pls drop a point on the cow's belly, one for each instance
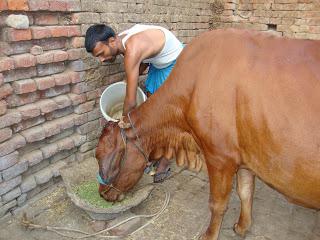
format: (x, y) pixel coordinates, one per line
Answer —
(297, 176)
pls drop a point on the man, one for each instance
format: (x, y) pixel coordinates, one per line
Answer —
(141, 46)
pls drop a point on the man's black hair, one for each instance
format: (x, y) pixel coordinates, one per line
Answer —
(97, 33)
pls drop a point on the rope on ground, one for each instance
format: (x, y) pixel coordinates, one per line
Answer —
(59, 230)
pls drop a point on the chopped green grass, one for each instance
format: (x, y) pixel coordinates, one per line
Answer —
(88, 191)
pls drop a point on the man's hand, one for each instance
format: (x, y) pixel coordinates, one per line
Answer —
(128, 105)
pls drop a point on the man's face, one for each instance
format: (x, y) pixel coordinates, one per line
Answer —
(106, 51)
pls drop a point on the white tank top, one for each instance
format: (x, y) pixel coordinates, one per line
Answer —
(171, 50)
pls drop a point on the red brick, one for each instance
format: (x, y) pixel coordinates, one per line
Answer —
(65, 144)
(45, 82)
(45, 58)
(77, 76)
(19, 100)
(3, 5)
(80, 119)
(15, 35)
(10, 118)
(47, 105)
(1, 79)
(29, 111)
(34, 134)
(77, 42)
(59, 31)
(36, 5)
(46, 19)
(18, 5)
(50, 69)
(77, 99)
(36, 50)
(24, 86)
(85, 107)
(21, 73)
(6, 64)
(5, 90)
(74, 31)
(74, 54)
(66, 122)
(40, 32)
(28, 123)
(73, 5)
(81, 87)
(49, 150)
(60, 56)
(93, 94)
(63, 101)
(5, 134)
(62, 79)
(24, 60)
(3, 107)
(55, 91)
(57, 5)
(51, 128)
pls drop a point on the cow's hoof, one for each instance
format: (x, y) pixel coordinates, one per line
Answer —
(238, 230)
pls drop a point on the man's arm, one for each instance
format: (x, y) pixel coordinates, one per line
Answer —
(132, 62)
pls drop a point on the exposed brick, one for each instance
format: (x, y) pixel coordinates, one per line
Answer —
(18, 74)
(74, 54)
(36, 5)
(63, 101)
(73, 5)
(47, 105)
(36, 50)
(45, 82)
(77, 98)
(28, 184)
(85, 17)
(77, 77)
(6, 63)
(11, 117)
(46, 19)
(82, 156)
(65, 122)
(19, 100)
(24, 60)
(65, 144)
(88, 127)
(34, 134)
(88, 146)
(29, 111)
(81, 87)
(93, 94)
(21, 199)
(43, 176)
(49, 150)
(50, 69)
(58, 90)
(11, 195)
(9, 185)
(12, 144)
(45, 58)
(60, 55)
(95, 114)
(5, 208)
(55, 169)
(57, 5)
(18, 5)
(3, 5)
(59, 113)
(51, 128)
(24, 86)
(32, 158)
(15, 35)
(62, 79)
(65, 31)
(5, 90)
(78, 139)
(80, 119)
(85, 107)
(51, 43)
(5, 134)
(1, 79)
(8, 160)
(40, 32)
(28, 123)
(3, 107)
(15, 170)
(77, 42)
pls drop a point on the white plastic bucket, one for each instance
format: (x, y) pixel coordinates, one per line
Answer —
(113, 97)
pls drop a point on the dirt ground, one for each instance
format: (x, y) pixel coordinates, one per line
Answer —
(186, 216)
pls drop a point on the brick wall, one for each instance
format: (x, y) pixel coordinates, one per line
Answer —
(50, 87)
(290, 18)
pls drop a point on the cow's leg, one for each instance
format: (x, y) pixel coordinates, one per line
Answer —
(245, 188)
(220, 189)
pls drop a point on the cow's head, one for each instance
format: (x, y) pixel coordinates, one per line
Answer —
(121, 163)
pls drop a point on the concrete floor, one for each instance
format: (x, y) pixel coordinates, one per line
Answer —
(186, 216)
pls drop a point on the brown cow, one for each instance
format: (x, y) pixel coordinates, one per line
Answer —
(250, 100)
